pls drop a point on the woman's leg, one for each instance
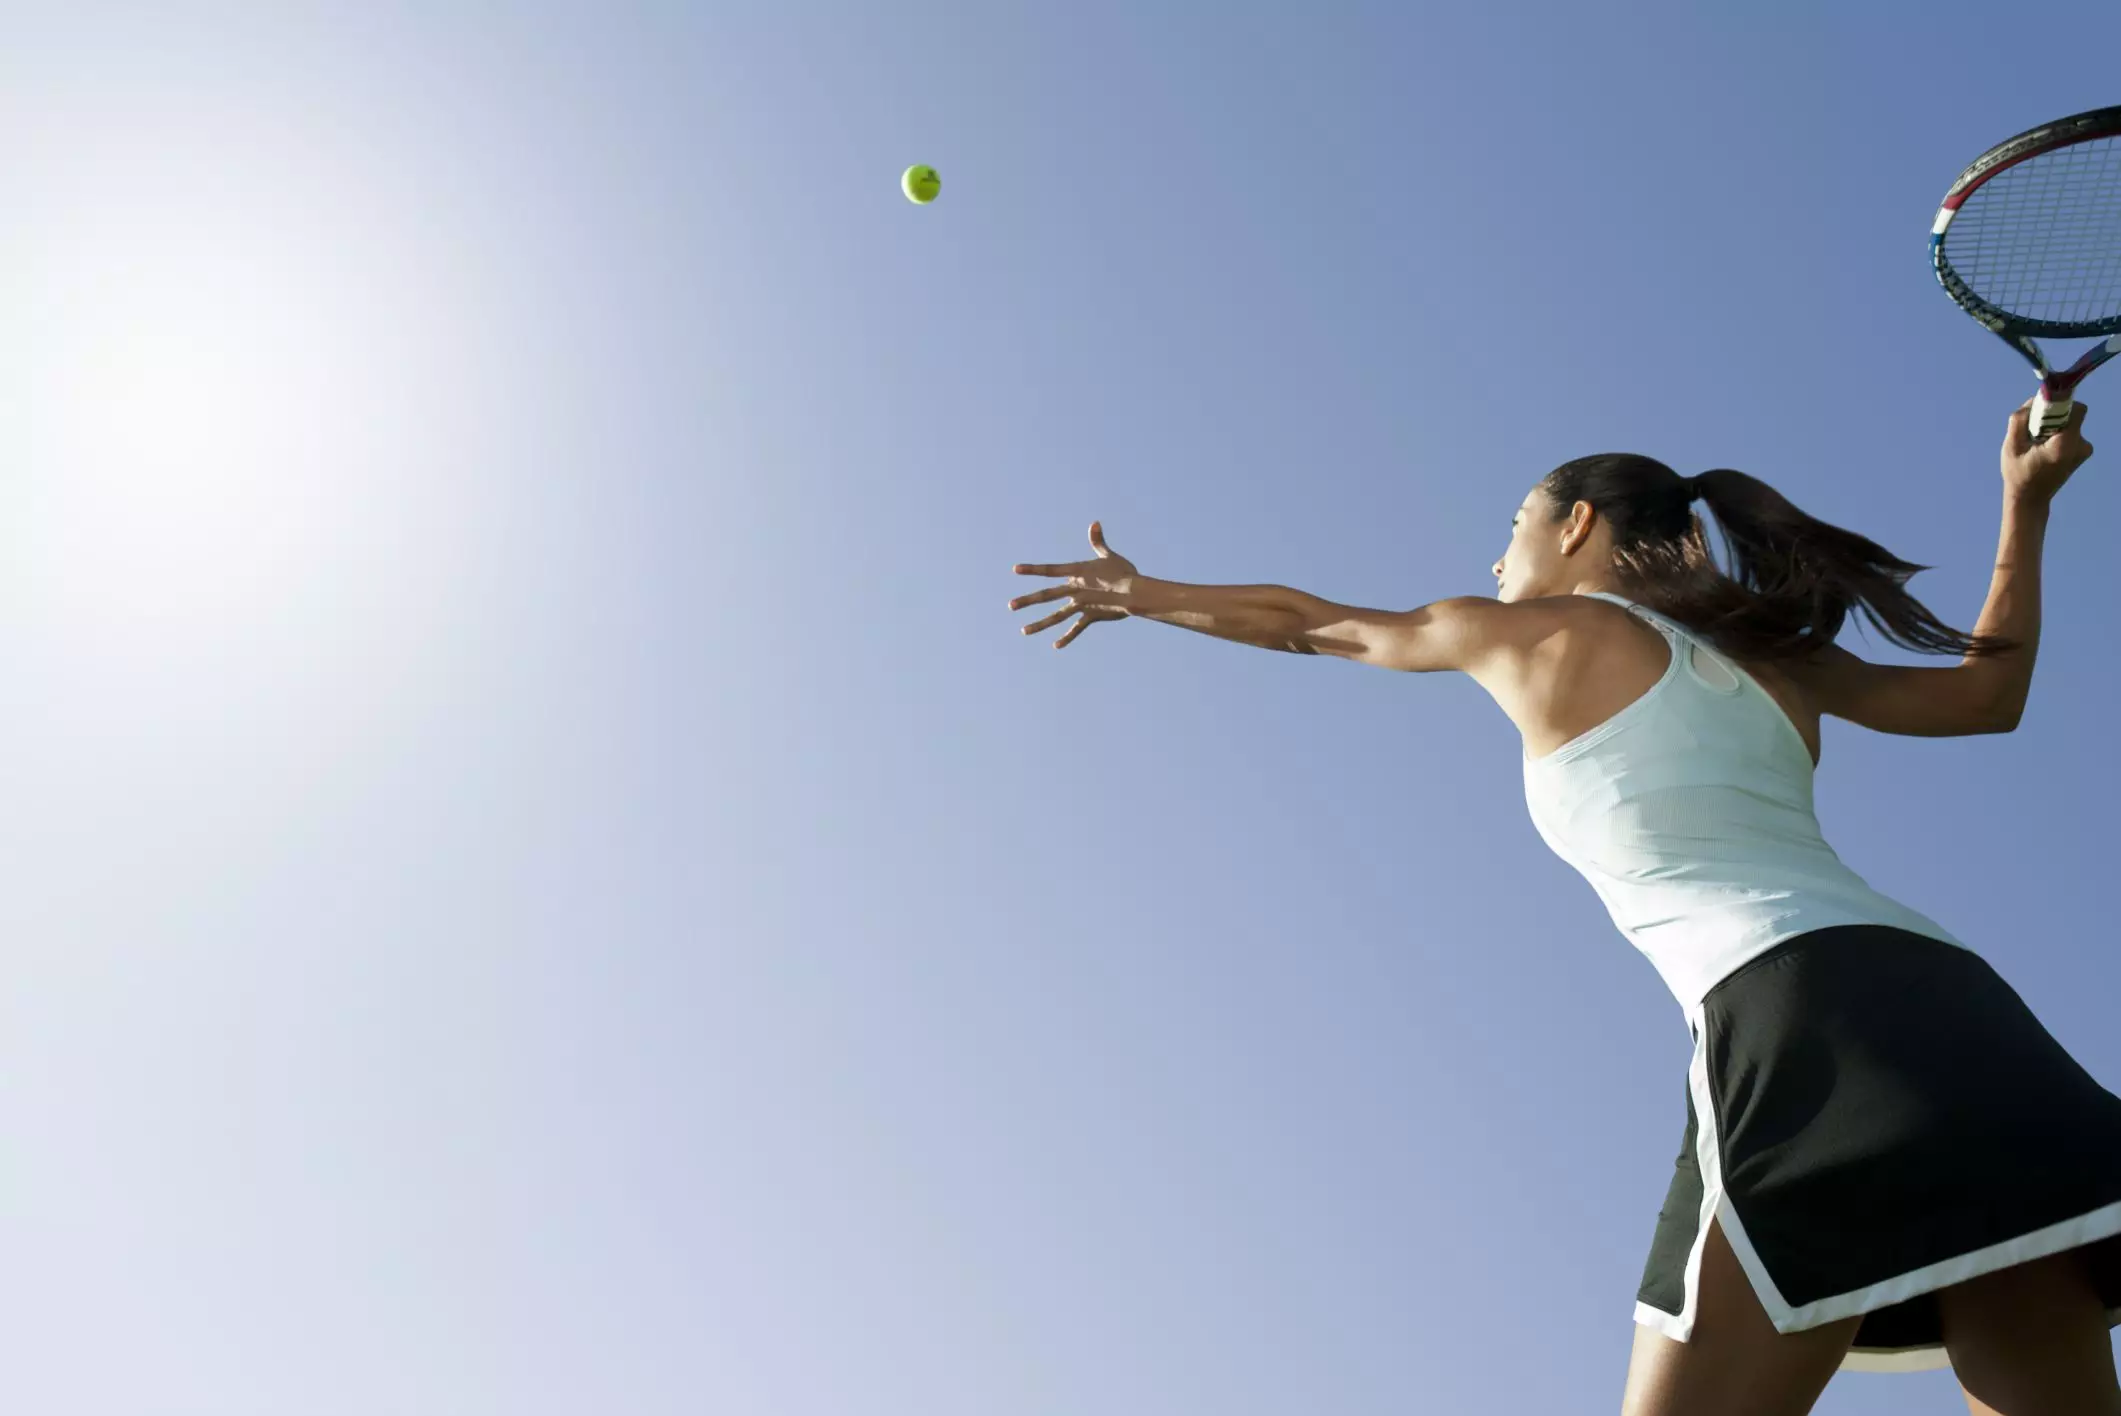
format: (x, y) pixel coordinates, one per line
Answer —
(2032, 1341)
(1735, 1364)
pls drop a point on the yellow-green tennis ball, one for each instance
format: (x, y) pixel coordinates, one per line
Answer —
(921, 184)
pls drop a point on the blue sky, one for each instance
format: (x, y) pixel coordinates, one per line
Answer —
(544, 878)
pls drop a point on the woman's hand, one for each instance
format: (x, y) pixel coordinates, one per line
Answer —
(2036, 471)
(1098, 589)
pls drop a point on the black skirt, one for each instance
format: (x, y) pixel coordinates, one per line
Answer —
(1888, 1118)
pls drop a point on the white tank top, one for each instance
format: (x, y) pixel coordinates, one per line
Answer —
(1690, 812)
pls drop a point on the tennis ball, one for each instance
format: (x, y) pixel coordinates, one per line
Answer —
(921, 184)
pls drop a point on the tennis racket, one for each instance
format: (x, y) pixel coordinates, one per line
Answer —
(2028, 242)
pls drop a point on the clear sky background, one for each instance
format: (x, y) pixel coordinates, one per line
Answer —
(540, 876)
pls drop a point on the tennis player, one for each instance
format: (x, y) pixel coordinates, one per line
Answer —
(1888, 1163)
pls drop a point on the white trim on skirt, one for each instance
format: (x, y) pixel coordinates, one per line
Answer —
(2101, 1223)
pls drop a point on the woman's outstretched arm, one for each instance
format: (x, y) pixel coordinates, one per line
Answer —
(1465, 633)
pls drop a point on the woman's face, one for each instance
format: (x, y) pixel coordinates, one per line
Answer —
(1534, 552)
(1549, 555)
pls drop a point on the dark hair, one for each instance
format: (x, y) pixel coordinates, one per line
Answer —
(1792, 579)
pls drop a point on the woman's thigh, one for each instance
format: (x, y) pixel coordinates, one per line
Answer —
(2032, 1341)
(1735, 1363)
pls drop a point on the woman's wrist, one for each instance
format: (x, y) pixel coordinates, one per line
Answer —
(2025, 502)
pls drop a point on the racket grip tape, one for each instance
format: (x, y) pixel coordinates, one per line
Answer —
(2049, 415)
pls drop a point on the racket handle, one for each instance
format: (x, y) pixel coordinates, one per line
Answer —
(2049, 416)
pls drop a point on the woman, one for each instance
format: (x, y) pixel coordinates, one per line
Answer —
(1888, 1163)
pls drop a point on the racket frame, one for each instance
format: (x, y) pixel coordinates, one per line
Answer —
(2055, 400)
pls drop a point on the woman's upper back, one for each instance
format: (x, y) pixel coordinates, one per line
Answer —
(1681, 789)
(1608, 656)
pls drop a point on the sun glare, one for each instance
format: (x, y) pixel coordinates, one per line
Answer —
(186, 359)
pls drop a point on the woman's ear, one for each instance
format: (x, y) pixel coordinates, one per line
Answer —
(1577, 529)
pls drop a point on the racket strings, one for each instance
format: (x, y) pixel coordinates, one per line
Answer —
(2042, 240)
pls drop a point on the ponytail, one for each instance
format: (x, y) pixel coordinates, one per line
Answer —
(1792, 579)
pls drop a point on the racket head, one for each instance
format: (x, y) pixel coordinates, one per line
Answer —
(2028, 238)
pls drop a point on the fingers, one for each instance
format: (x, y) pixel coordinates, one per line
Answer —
(2017, 434)
(1040, 597)
(2072, 434)
(1078, 602)
(1084, 598)
(2074, 421)
(2067, 441)
(1042, 625)
(1091, 605)
(1089, 618)
(1073, 568)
